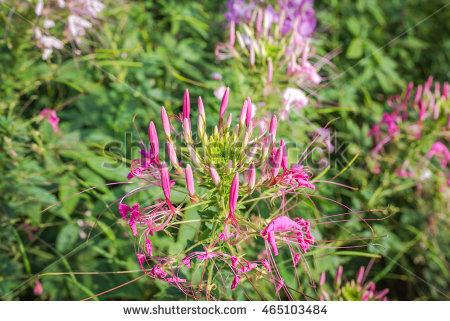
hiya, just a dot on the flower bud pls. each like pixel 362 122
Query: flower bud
pixel 190 181
pixel 242 117
pixel 200 126
pixel 187 131
pixel 165 180
pixel 252 56
pixel 215 176
pixel 252 176
pixel 277 162
pixel 228 167
pixel 228 121
pixel 251 154
pixel 322 279
pixel 201 109
pixel 186 105
pixel 360 276
pixel 153 138
pixel 234 193
pixel 339 272
pixel 284 158
pixel 173 157
pixel 249 111
pixel 165 122
pixel 194 157
pixel 232 34
pixel 224 103
pixel 273 127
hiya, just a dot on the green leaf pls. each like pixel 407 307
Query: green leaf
pixel 355 49
pixel 67 237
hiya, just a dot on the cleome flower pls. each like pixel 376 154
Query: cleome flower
pixel 415 132
pixel 238 181
pixel 352 290
pixel 275 41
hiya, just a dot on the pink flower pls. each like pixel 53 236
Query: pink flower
pixel 187 262
pixel 219 92
pixel 214 176
pixel 176 280
pixel 252 176
pixel 38 290
pixel 52 118
pixel 440 148
pixel 247 268
pixel 157 271
pixel 148 246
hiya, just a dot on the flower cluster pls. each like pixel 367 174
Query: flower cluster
pixel 353 290
pixel 276 42
pixel 225 175
pixel 415 132
pixel 78 15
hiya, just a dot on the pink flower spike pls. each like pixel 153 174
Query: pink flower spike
pixel 187 262
pixel 269 71
pixel 322 279
pixel 165 122
pixel 249 111
pixel 186 105
pixel 279 285
pixel 252 176
pixel 165 180
pixel 190 181
pixel 236 281
pixel 38 290
pixel 234 192
pixel 148 246
pixel 359 277
pixel 153 138
pixel 214 176
pixel 224 103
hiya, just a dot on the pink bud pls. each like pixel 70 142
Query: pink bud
pixel 418 94
pixel 165 180
pixel 224 104
pixel 215 176
pixel 153 138
pixel 249 111
pixel 269 71
pixel 252 56
pixel 273 127
pixel 234 192
pixel 284 158
pixel 242 117
pixel 232 34
pixel 339 272
pixel 38 290
pixel 445 90
pixel 148 246
pixel 201 109
pixel 277 162
pixel 322 279
pixel 428 84
pixel 297 258
pixel 186 105
pixel 187 130
pixel 325 295
pixel 360 276
pixel 172 155
pixel 165 122
pixel 252 176
pixel 190 181
pixel 228 121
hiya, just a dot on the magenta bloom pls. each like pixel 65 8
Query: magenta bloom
pixel 50 115
pixel 234 192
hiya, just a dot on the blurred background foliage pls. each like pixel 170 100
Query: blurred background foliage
pixel 143 56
